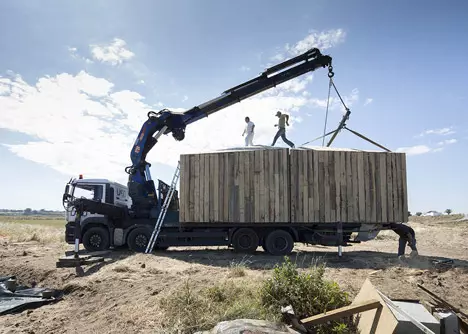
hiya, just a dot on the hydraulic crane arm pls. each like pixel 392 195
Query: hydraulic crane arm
pixel 141 188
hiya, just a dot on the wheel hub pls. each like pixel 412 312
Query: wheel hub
pixel 95 240
pixel 141 240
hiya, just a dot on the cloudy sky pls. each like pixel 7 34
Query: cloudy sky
pixel 78 78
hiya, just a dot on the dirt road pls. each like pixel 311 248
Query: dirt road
pixel 123 294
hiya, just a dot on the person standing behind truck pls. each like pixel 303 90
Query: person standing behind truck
pixel 407 235
pixel 282 122
pixel 249 129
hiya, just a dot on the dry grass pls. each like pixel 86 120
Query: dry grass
pixel 16 232
pixel 238 269
pixel 190 308
pixel 51 221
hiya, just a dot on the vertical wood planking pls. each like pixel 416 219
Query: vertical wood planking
pixel 399 193
pixel 326 186
pixel 285 185
pixel 300 185
pixel 210 182
pixel 196 184
pixel 349 187
pixel 396 209
pixel 226 182
pixel 332 185
pixel 383 185
pixel 378 187
pixel 215 176
pixel 390 215
pixel 337 178
pixel 368 171
pixel 405 187
pixel 277 186
pixel 305 186
pixel 372 187
pixel 343 188
pixel 248 178
pixel 321 185
pixel 271 185
pixel 361 186
pixel 292 176
pixel 310 185
pixel 355 181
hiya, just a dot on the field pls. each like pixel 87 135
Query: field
pixel 170 291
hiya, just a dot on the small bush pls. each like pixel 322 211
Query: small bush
pixel 308 293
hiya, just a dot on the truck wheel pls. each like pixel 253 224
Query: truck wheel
pixel 96 239
pixel 138 239
pixel 245 240
pixel 279 242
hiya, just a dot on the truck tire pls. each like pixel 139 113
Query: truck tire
pixel 279 242
pixel 245 240
pixel 96 239
pixel 138 239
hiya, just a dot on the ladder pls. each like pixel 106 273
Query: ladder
pixel 162 213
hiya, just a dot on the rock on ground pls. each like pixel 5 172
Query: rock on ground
pixel 244 326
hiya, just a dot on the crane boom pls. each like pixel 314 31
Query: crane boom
pixel 140 185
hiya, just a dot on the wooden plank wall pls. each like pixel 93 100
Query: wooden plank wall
pixel 235 186
pixel 329 185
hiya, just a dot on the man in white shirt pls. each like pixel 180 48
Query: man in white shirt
pixel 249 130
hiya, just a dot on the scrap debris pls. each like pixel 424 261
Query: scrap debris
pixel 376 313
pixel 16 298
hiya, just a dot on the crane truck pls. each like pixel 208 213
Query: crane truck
pixel 114 215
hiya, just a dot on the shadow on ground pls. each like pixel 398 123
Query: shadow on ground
pixel 351 259
pixel 109 258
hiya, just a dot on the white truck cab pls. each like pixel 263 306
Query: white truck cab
pixel 100 190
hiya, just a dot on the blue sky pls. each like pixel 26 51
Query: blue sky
pixel 77 79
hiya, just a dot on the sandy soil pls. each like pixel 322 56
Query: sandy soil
pixel 122 294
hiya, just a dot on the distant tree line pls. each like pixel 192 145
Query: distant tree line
pixel 31 212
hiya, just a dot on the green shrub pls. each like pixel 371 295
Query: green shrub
pixel 308 293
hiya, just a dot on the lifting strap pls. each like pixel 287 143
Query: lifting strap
pixel 342 124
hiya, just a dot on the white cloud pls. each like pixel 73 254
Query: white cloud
pixel 447 142
pixel 83 125
pixel 442 132
pixel 245 68
pixel 277 58
pixel 185 98
pixel 114 53
pixel 368 101
pixel 414 150
pixel 322 40
pixel 74 54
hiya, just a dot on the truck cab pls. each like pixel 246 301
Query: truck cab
pixel 100 231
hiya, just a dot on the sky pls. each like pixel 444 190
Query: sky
pixel 77 79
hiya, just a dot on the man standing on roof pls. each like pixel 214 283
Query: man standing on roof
pixel 249 129
pixel 407 235
pixel 283 121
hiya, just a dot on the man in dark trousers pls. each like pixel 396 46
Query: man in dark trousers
pixel 283 121
pixel 407 235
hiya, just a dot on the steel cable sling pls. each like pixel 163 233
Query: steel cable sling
pixel 342 124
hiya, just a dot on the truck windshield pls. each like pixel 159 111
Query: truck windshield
pixel 89 191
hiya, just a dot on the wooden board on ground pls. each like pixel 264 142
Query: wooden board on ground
pixel 234 186
pixel 330 185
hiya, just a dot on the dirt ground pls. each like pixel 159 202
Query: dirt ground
pixel 122 294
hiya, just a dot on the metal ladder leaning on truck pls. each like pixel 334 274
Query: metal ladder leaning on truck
pixel 126 216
